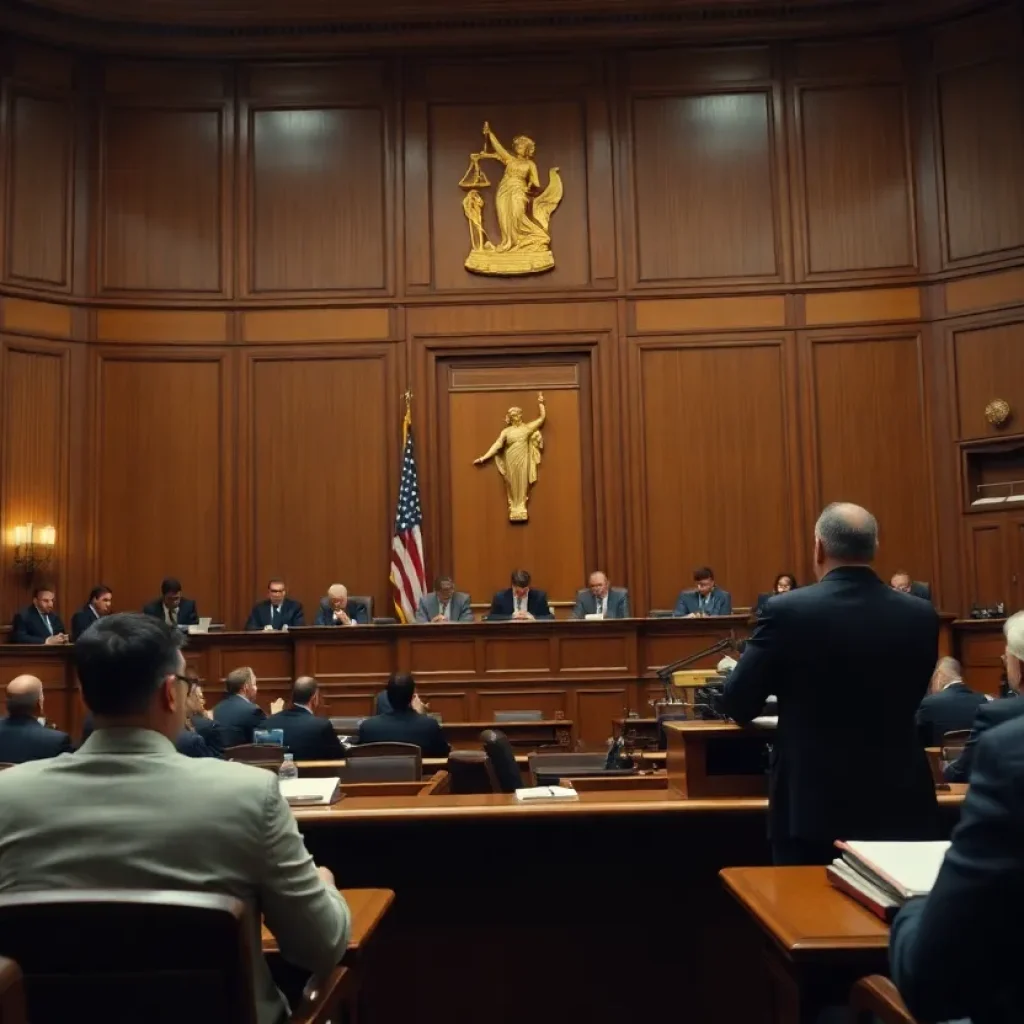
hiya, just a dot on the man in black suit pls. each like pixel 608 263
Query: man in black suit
pixel 338 609
pixel 39 623
pixel 901 581
pixel 278 611
pixel 238 714
pixel 949 706
pixel 849 660
pixel 306 736
pixel 942 946
pixel 22 736
pixel 171 607
pixel 98 605
pixel 520 602
pixel 403 723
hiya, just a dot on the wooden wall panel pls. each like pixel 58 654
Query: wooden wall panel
pixel 714 483
pixel 989 362
pixel 39 147
pixel 869 438
pixel 163 486
pixel 322 442
pixel 986 559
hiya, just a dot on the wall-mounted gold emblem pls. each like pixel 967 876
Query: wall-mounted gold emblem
pixel 525 244
pixel 517 453
pixel 997 412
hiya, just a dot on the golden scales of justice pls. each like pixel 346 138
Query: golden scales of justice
pixel 525 244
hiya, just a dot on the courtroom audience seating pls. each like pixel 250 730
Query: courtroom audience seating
pixel 82 958
pixel 502 758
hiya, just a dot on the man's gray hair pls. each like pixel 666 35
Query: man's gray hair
pixel 949 668
pixel 1013 630
pixel 848 533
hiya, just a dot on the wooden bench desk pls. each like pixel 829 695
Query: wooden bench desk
pixel 367 906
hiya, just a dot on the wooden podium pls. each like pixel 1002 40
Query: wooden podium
pixel 712 760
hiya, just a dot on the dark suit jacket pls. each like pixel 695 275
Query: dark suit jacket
pixel 306 736
pixel 989 715
pixel 22 739
pixel 237 718
pixel 211 732
pixel 357 612
pixel 849 660
pixel 188 614
pixel 942 947
pixel 290 615
pixel 189 743
pixel 946 711
pixel 81 621
pixel 406 726
pixel 28 626
pixel 719 602
pixel 503 605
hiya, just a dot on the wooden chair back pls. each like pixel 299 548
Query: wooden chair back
pixel 876 999
pixel 12 993
pixel 956 736
pixel 261 755
pixel 382 768
pixel 471 771
pixel 370 750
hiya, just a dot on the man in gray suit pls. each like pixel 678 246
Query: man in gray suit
pixel 599 598
pixel 127 811
pixel 444 603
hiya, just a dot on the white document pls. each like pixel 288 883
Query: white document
pixel 593 617
pixel 547 793
pixel 309 792
pixel 902 870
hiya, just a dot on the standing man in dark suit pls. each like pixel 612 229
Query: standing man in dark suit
pixel 949 706
pixel 98 605
pixel 705 599
pixel 39 623
pixel 338 609
pixel 171 607
pixel 403 723
pixel 278 611
pixel 520 601
pixel 22 736
pixel 942 946
pixel 849 660
pixel 238 714
pixel 306 736
pixel 600 598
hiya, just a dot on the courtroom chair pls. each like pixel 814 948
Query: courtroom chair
pixel 122 957
pixel 12 993
pixel 876 999
pixel 519 716
pixel 382 768
pixel 471 771
pixel 347 725
pixel 325 603
pixel 370 750
pixel 953 743
pixel 503 760
pixel 259 755
pixel 547 769
pixel 934 755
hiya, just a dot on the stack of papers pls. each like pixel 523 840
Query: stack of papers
pixel 547 793
pixel 310 792
pixel 883 876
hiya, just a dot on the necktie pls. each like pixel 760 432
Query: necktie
pixel 519 604
pixel 600 606
pixel 444 610
pixel 172 614
pixel 274 613
pixel 49 628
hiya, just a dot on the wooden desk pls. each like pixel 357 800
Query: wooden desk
pixel 717 759
pixel 816 941
pixel 367 906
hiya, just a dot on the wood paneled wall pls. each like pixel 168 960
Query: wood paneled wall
pixel 786 274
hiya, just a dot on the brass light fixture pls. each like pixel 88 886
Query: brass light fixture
pixel 33 547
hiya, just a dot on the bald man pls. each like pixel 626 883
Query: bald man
pixel 307 736
pixel 849 660
pixel 338 609
pixel 22 736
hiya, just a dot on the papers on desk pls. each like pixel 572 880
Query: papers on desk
pixel 883 876
pixel 546 793
pixel 310 792
pixel 765 722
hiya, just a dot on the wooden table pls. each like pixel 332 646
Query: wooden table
pixel 816 941
pixel 367 907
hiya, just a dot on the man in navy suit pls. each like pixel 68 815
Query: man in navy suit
pixel 849 660
pixel 704 600
pixel 306 736
pixel 950 705
pixel 338 609
pixel 600 598
pixel 98 605
pixel 171 607
pixel 520 602
pixel 238 714
pixel 403 723
pixel 278 611
pixel 943 946
pixel 39 623
pixel 22 736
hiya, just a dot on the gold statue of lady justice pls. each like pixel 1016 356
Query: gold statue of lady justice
pixel 517 453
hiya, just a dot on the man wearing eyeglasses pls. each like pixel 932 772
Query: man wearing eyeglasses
pixel 144 817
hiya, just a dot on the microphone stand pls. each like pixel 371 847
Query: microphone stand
pixel 665 672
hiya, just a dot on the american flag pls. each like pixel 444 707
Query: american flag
pixel 408 576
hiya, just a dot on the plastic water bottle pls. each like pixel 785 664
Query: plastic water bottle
pixel 289 769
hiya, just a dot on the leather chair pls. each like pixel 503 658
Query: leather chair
pixel 953 743
pixel 260 755
pixel 395 768
pixel 390 750
pixel 503 760
pixel 471 771
pixel 12 993
pixel 876 999
pixel 325 604
pixel 82 958
pixel 547 769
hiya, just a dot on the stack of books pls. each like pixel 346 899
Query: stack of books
pixel 883 876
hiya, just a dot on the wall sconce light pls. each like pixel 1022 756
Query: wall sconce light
pixel 33 547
